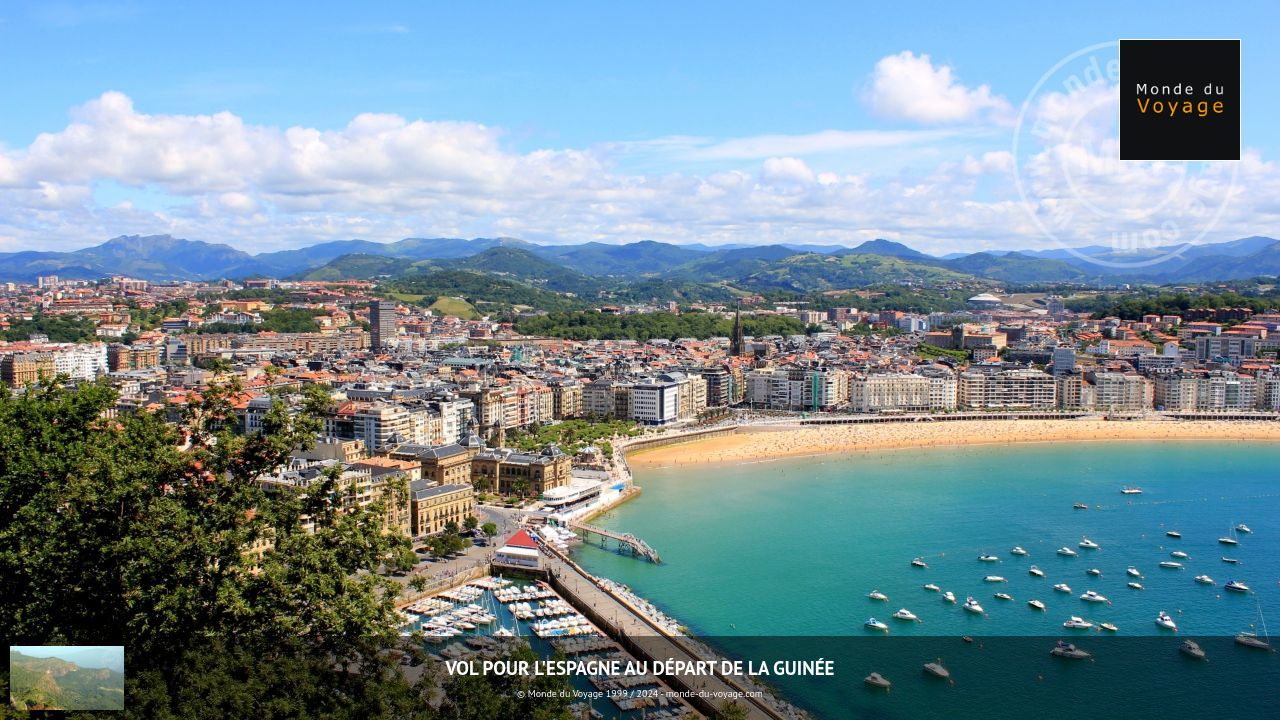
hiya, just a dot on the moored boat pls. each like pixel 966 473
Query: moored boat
pixel 1192 649
pixel 1236 586
pixel 1204 579
pixel 1171 565
pixel 1067 650
pixel 1067 552
pixel 1088 544
pixel 1109 627
pixel 1091 596
pixel 1036 604
pixel 919 562
pixel 905 614
pixel 1133 572
pixel 877 680
pixel 931 587
pixel 985 557
pixel 1077 623
pixel 994 579
pixel 1243 528
pixel 1036 571
pixel 875 624
pixel 1095 572
pixel 1166 622
pixel 1062 588
pixel 937 670
pixel 1003 596
pixel 1130 490
pixel 1230 561
pixel 971 605
pixel 949 596
pixel 1135 586
pixel 1018 550
pixel 1173 534
pixel 877 595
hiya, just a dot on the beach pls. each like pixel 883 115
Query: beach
pixel 767 442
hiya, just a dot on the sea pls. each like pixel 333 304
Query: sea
pixel 774 560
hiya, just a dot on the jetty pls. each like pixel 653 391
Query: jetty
pixel 638 547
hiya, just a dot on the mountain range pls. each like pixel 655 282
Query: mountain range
pixel 49 683
pixel 594 265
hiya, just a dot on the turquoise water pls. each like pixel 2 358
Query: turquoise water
pixel 791 548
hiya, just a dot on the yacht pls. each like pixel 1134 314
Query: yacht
pixel 1062 588
pixel 1236 586
pixel 972 605
pixel 1191 649
pixel 1204 579
pixel 1077 623
pixel 1094 572
pixel 877 595
pixel 919 562
pixel 994 578
pixel 988 558
pixel 949 596
pixel 1088 544
pixel 1109 627
pixel 1091 596
pixel 1243 528
pixel 1251 640
pixel 935 669
pixel 877 680
pixel 1036 604
pixel 1133 572
pixel 1228 540
pixel 932 588
pixel 1173 534
pixel 905 614
pixel 875 624
pixel 1171 565
pixel 1036 571
pixel 1135 586
pixel 1127 490
pixel 1080 506
pixel 1166 622
pixel 1230 561
pixel 1066 552
pixel 1179 554
pixel 1003 596
pixel 1065 649
pixel 1018 550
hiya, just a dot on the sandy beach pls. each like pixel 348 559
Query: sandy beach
pixel 754 444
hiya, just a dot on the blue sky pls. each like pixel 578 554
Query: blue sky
pixel 614 106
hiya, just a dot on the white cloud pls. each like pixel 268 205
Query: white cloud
pixel 907 86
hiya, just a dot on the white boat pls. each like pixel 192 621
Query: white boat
pixel 1166 622
pixel 1109 627
pixel 1127 490
pixel 1192 649
pixel 931 587
pixel 972 606
pixel 1236 586
pixel 1077 623
pixel 937 670
pixel 1003 596
pixel 949 596
pixel 1250 639
pixel 1230 561
pixel 1036 571
pixel 1204 579
pixel 1171 565
pixel 1173 534
pixel 1243 528
pixel 1133 572
pixel 1135 586
pixel 994 579
pixel 905 614
pixel 919 562
pixel 1036 604
pixel 988 558
pixel 1062 588
pixel 877 595
pixel 1228 541
pixel 1088 544
pixel 1067 552
pixel 1095 572
pixel 1091 596
pixel 875 624
pixel 1179 554
pixel 1018 550
pixel 877 680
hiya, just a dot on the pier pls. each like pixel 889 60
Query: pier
pixel 638 547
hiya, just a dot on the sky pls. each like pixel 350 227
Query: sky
pixel 274 125
pixel 86 656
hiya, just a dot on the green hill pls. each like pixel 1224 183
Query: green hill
pixel 56 684
pixel 812 271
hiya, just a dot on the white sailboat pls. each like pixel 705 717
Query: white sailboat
pixel 1251 639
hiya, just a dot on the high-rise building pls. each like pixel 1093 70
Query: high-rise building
pixel 382 323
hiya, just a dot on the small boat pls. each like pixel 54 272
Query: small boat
pixel 1062 588
pixel 931 587
pixel 919 562
pixel 1036 571
pixel 1179 554
pixel 1065 649
pixel 1094 572
pixel 1173 534
pixel 1133 572
pixel 1091 596
pixel 988 558
pixel 1127 490
pixel 1204 579
pixel 1171 565
pixel 966 639
pixel 949 596
pixel 1251 640
pixel 1243 528
pixel 905 614
pixel 1166 622
pixel 1109 627
pixel 877 595
pixel 1230 561
pixel 877 680
pixel 1018 550
pixel 1135 586
pixel 1191 649
pixel 1067 552
pixel 971 605
pixel 1228 541
pixel 1003 596
pixel 1080 506
pixel 994 579
pixel 875 624
pixel 1088 544
pixel 1236 586
pixel 1077 623
pixel 1036 604
pixel 937 670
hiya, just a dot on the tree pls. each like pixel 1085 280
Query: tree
pixel 489 529
pixel 470 523
pixel 451 527
pixel 418 583
pixel 403 559
pixel 732 710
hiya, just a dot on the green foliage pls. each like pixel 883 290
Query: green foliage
pixel 648 326
pixel 489 529
pixel 151 318
pixel 925 350
pixel 480 288
pixel 1165 303
pixel 59 328
pixel 571 435
pixel 280 319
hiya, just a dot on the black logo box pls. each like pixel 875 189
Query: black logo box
pixel 1157 80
